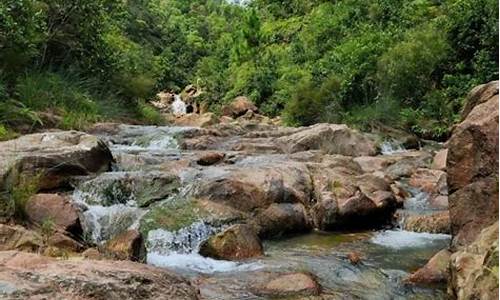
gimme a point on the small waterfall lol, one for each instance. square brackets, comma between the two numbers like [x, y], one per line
[178, 106]
[389, 147]
[399, 238]
[179, 250]
[107, 207]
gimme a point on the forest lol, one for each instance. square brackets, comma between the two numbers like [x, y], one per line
[407, 64]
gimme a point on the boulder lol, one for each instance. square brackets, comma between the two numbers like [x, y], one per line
[252, 187]
[49, 160]
[128, 245]
[430, 181]
[432, 223]
[210, 158]
[19, 238]
[373, 163]
[439, 161]
[87, 279]
[283, 218]
[236, 242]
[64, 242]
[286, 285]
[474, 268]
[56, 208]
[345, 199]
[92, 253]
[354, 257]
[329, 138]
[55, 156]
[238, 107]
[478, 95]
[434, 272]
[472, 166]
[196, 120]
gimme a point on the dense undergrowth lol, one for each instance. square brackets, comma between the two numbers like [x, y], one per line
[402, 63]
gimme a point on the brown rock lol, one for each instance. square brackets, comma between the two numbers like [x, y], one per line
[433, 223]
[474, 268]
[56, 208]
[88, 279]
[57, 155]
[19, 238]
[196, 120]
[283, 218]
[373, 163]
[478, 95]
[290, 284]
[64, 242]
[51, 158]
[354, 257]
[238, 107]
[439, 202]
[236, 242]
[439, 161]
[210, 158]
[248, 188]
[430, 181]
[92, 253]
[472, 166]
[127, 246]
[329, 138]
[434, 272]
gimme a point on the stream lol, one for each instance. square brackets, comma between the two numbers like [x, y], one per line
[116, 201]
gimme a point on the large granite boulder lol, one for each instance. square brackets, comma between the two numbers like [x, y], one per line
[434, 272]
[474, 269]
[51, 158]
[55, 208]
[16, 237]
[240, 106]
[331, 139]
[87, 279]
[472, 166]
[249, 188]
[236, 242]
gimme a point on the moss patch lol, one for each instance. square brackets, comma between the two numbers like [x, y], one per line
[172, 215]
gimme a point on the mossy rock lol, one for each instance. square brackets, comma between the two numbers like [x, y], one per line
[172, 215]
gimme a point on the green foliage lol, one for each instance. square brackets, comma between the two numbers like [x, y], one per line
[21, 192]
[47, 229]
[171, 215]
[149, 115]
[405, 63]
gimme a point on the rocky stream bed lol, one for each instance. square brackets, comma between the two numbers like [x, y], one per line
[241, 209]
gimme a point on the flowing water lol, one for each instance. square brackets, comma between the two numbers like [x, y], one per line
[179, 108]
[112, 202]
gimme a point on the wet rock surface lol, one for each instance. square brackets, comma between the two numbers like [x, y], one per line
[235, 243]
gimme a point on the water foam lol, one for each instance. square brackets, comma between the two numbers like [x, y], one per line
[179, 250]
[391, 147]
[399, 239]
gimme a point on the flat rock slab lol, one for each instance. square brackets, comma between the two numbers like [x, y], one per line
[28, 276]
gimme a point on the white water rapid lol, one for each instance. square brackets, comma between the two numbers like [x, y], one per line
[178, 106]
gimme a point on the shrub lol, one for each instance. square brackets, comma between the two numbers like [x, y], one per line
[21, 192]
[149, 114]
